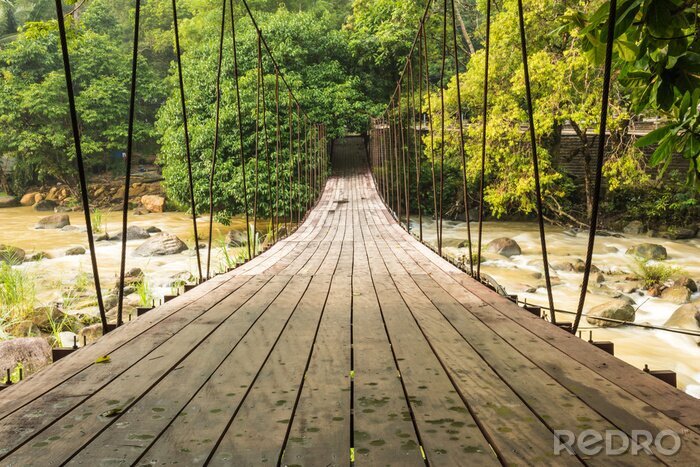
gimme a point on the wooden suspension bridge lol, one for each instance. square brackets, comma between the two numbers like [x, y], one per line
[347, 342]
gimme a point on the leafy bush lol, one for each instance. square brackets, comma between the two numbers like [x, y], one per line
[17, 294]
[653, 273]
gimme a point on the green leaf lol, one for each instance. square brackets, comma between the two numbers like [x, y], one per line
[654, 137]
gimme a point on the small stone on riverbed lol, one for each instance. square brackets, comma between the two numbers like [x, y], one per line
[161, 245]
[648, 251]
[75, 251]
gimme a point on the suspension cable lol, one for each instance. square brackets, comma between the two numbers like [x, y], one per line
[419, 144]
[461, 139]
[129, 154]
[442, 121]
[482, 181]
[266, 139]
[79, 160]
[278, 148]
[535, 160]
[239, 114]
[430, 131]
[193, 205]
[216, 137]
[612, 18]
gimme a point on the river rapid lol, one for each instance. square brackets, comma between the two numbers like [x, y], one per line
[523, 275]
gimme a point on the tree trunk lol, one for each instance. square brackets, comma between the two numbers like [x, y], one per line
[464, 32]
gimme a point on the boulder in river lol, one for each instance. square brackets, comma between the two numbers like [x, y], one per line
[236, 238]
[161, 245]
[45, 205]
[504, 246]
[580, 266]
[648, 251]
[688, 283]
[56, 221]
[11, 254]
[38, 256]
[8, 201]
[28, 199]
[75, 251]
[679, 233]
[634, 228]
[33, 352]
[153, 229]
[153, 203]
[685, 317]
[615, 309]
[133, 232]
[676, 294]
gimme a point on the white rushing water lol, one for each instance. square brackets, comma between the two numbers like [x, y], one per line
[520, 274]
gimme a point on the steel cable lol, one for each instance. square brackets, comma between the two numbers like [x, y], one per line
[79, 160]
[217, 120]
[482, 181]
[612, 19]
[127, 162]
[188, 152]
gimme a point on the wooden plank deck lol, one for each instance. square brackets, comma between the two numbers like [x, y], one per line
[348, 341]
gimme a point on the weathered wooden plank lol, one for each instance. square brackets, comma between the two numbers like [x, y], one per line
[252, 439]
[320, 428]
[192, 435]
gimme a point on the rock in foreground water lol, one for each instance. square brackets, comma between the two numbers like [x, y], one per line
[133, 232]
[504, 246]
[161, 245]
[56, 221]
[8, 201]
[615, 309]
[648, 251]
[676, 294]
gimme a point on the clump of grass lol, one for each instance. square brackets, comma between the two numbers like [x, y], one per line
[98, 221]
[653, 273]
[17, 293]
[145, 292]
[57, 326]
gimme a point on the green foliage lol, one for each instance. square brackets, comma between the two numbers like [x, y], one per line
[98, 221]
[653, 273]
[313, 58]
[17, 294]
[35, 132]
[657, 48]
[145, 292]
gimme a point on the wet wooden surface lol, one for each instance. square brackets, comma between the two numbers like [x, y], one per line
[347, 341]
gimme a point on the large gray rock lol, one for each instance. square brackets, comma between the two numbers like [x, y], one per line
[34, 353]
[11, 254]
[45, 205]
[688, 283]
[685, 317]
[615, 309]
[56, 221]
[504, 246]
[161, 245]
[679, 233]
[133, 232]
[236, 238]
[676, 294]
[634, 228]
[8, 201]
[648, 251]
